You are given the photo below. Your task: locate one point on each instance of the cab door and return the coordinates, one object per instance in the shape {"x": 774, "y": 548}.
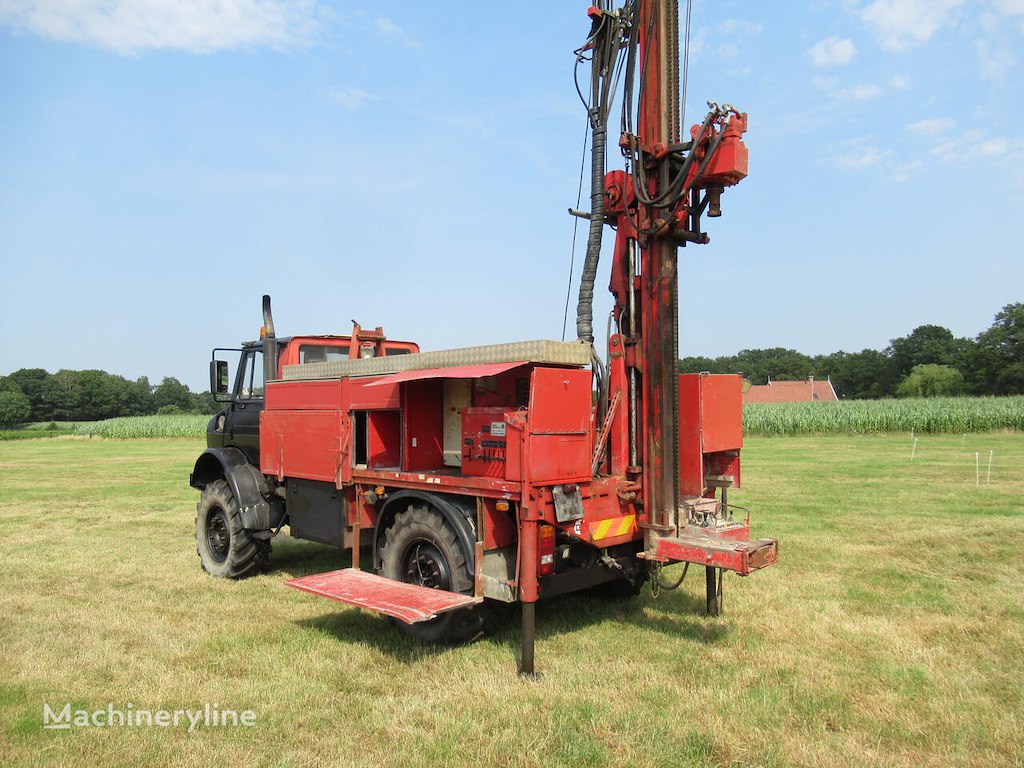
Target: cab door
{"x": 243, "y": 423}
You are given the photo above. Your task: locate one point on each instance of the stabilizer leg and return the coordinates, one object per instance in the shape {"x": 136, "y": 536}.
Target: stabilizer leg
{"x": 713, "y": 583}
{"x": 529, "y": 635}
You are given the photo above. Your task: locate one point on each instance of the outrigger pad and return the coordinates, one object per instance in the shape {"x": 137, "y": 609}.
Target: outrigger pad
{"x": 410, "y": 603}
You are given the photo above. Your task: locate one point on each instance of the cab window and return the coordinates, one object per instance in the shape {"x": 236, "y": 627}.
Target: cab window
{"x": 251, "y": 376}
{"x": 322, "y": 353}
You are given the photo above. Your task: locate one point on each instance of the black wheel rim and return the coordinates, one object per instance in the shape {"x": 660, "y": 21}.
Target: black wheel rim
{"x": 425, "y": 565}
{"x": 218, "y": 536}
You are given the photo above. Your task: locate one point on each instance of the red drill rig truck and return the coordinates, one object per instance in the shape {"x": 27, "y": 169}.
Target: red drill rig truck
{"x": 509, "y": 473}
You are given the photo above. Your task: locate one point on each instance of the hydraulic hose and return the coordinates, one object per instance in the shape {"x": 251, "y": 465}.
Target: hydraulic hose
{"x": 678, "y": 583}
{"x": 585, "y": 305}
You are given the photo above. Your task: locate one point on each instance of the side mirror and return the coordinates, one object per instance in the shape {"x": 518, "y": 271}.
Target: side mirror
{"x": 219, "y": 377}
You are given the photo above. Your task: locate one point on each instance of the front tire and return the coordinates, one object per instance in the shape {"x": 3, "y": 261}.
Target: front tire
{"x": 420, "y": 548}
{"x": 225, "y": 548}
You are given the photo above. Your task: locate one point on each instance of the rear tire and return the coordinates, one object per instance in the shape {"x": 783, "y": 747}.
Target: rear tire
{"x": 420, "y": 548}
{"x": 225, "y": 548}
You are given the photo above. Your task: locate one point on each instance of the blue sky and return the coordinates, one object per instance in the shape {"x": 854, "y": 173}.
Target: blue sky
{"x": 162, "y": 165}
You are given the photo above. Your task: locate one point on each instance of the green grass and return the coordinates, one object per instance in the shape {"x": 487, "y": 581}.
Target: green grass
{"x": 32, "y": 433}
{"x": 949, "y": 415}
{"x": 890, "y": 634}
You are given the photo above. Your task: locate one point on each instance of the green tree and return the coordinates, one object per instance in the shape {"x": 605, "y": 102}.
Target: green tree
{"x": 931, "y": 381}
{"x": 698, "y": 365}
{"x": 926, "y": 345}
{"x": 999, "y": 364}
{"x": 204, "y": 402}
{"x": 14, "y": 407}
{"x": 760, "y": 365}
{"x": 170, "y": 391}
{"x": 102, "y": 394}
{"x": 1010, "y": 380}
{"x": 138, "y": 398}
{"x": 65, "y": 396}
{"x": 865, "y": 375}
{"x": 40, "y": 389}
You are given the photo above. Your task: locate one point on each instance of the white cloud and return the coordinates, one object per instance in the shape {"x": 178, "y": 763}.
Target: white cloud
{"x": 726, "y": 41}
{"x": 389, "y": 29}
{"x": 198, "y": 26}
{"x": 993, "y": 147}
{"x": 931, "y": 126}
{"x": 903, "y": 172}
{"x": 350, "y": 98}
{"x": 856, "y": 93}
{"x": 740, "y": 28}
{"x": 976, "y": 145}
{"x": 832, "y": 52}
{"x": 902, "y": 24}
{"x": 946, "y": 150}
{"x": 995, "y": 60}
{"x": 1010, "y": 7}
{"x": 862, "y": 157}
{"x": 862, "y": 92}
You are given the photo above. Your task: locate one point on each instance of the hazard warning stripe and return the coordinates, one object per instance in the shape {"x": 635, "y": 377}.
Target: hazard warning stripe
{"x": 615, "y": 526}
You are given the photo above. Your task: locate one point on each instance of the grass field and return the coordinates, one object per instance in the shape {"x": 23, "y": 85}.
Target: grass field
{"x": 890, "y": 634}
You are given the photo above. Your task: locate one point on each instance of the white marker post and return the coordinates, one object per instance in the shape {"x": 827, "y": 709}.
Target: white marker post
{"x": 913, "y": 450}
{"x": 988, "y": 480}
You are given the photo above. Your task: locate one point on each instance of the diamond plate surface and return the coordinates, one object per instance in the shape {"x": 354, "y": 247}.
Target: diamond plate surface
{"x": 540, "y": 351}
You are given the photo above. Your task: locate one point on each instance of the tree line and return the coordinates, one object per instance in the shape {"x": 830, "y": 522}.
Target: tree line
{"x": 33, "y": 394}
{"x": 929, "y": 362}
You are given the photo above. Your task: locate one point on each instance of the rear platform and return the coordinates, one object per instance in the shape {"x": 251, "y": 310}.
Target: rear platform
{"x": 410, "y": 603}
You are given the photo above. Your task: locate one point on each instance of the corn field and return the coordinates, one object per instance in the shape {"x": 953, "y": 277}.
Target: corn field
{"x": 953, "y": 415}
{"x": 128, "y": 427}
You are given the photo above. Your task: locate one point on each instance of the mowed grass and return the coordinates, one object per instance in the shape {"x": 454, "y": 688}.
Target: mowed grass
{"x": 890, "y": 634}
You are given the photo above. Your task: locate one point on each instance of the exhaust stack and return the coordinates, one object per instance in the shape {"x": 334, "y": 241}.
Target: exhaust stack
{"x": 269, "y": 342}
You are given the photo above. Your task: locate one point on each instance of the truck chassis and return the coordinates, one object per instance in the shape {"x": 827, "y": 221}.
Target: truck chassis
{"x": 459, "y": 479}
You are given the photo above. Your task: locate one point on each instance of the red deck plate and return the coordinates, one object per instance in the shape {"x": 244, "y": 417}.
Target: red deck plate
{"x": 743, "y": 557}
{"x": 410, "y": 603}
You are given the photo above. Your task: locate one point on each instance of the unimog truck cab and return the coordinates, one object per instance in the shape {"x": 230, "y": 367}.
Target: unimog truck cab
{"x": 239, "y": 511}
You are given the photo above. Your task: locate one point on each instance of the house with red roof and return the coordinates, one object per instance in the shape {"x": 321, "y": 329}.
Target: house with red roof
{"x": 791, "y": 392}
